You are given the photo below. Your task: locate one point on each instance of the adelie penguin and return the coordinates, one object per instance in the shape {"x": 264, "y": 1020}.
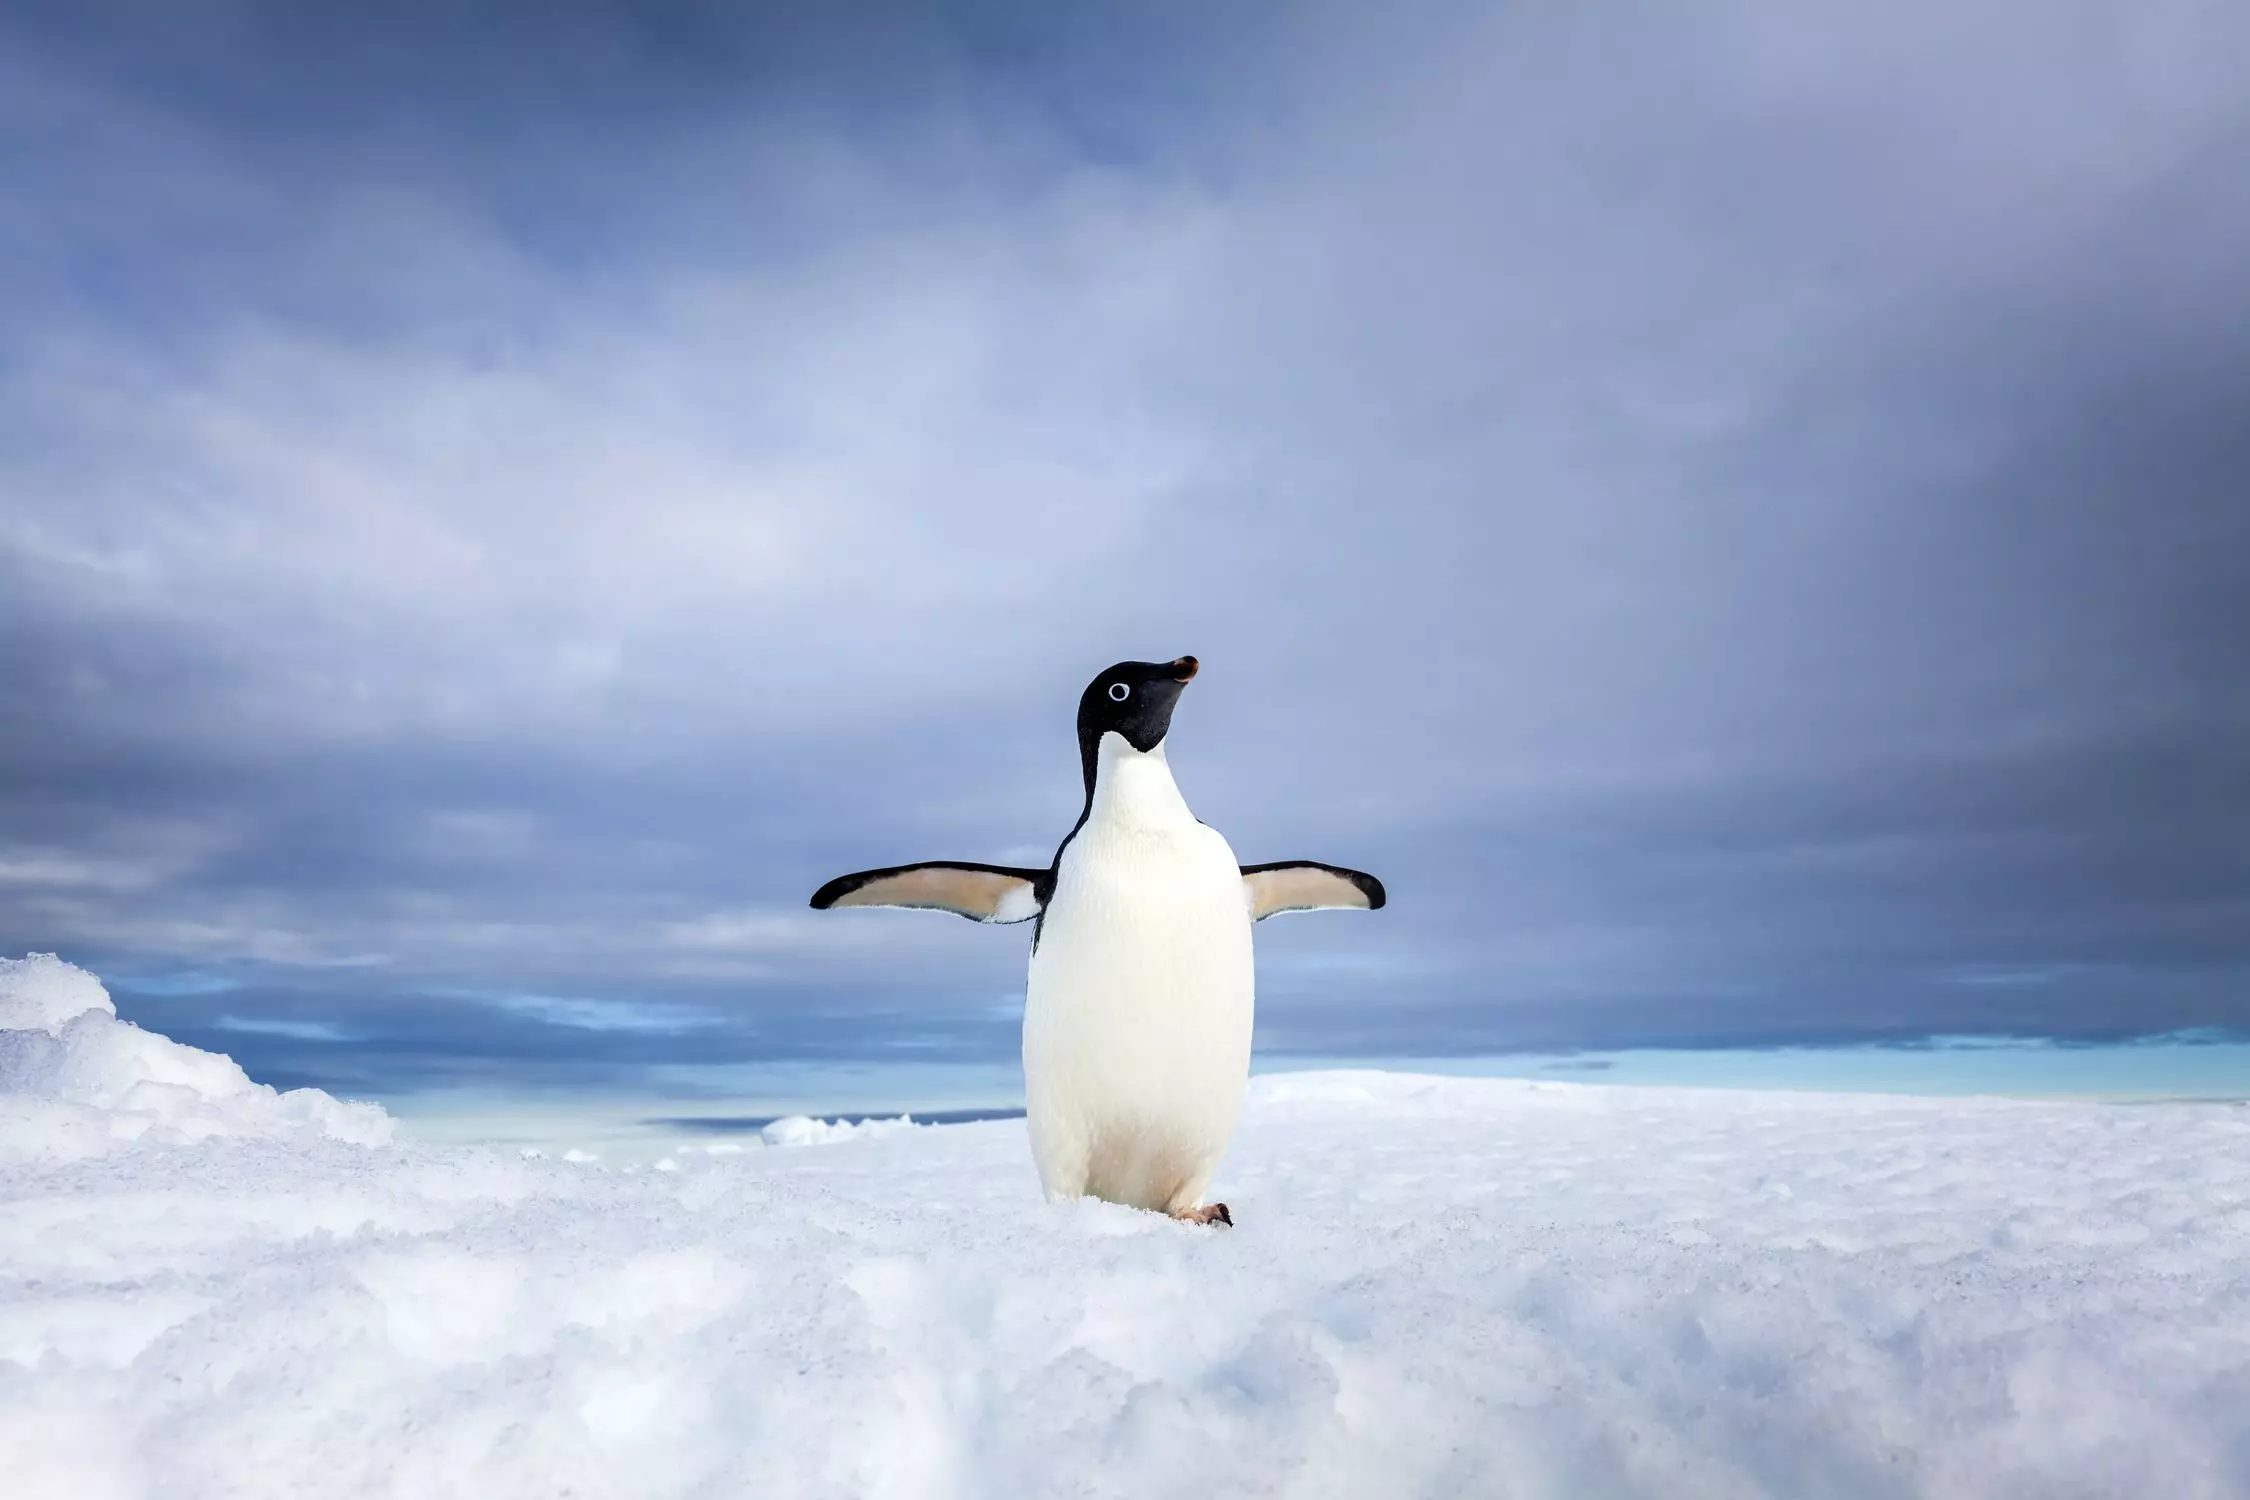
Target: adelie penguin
{"x": 1136, "y": 1027}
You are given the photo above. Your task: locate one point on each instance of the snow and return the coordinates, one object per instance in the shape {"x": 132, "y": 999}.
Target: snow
{"x": 39, "y": 992}
{"x": 800, "y": 1130}
{"x": 1437, "y": 1287}
{"x": 76, "y": 1080}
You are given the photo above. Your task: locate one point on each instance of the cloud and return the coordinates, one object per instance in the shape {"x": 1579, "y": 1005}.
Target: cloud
{"x": 52, "y": 869}
{"x": 600, "y": 1015}
{"x": 301, "y": 1031}
{"x": 1734, "y": 517}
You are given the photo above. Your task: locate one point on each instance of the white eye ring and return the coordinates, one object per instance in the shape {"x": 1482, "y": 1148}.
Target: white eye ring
{"x": 1119, "y": 692}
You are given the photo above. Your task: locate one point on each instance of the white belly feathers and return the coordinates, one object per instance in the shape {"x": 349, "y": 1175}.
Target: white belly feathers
{"x": 1136, "y": 1038}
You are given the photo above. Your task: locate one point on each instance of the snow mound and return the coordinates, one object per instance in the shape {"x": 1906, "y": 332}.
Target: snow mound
{"x": 39, "y": 992}
{"x": 803, "y": 1130}
{"x": 76, "y": 1081}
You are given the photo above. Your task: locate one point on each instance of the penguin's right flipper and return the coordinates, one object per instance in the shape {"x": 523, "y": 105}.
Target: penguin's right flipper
{"x": 982, "y": 893}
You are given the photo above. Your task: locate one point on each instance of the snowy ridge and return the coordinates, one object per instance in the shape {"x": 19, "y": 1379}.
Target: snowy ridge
{"x": 1437, "y": 1287}
{"x": 77, "y": 1081}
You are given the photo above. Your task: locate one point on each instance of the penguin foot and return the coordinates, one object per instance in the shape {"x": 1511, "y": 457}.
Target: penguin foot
{"x": 1210, "y": 1213}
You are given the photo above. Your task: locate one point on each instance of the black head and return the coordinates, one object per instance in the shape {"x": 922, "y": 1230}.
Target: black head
{"x": 1134, "y": 698}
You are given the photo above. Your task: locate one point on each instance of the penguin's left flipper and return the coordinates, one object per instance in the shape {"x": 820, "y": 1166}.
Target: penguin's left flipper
{"x": 982, "y": 893}
{"x": 1308, "y": 885}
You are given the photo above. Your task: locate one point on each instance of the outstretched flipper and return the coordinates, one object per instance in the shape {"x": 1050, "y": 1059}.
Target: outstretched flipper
{"x": 982, "y": 893}
{"x": 1308, "y": 885}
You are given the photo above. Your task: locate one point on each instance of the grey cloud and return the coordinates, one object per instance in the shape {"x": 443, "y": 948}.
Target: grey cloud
{"x": 1741, "y": 517}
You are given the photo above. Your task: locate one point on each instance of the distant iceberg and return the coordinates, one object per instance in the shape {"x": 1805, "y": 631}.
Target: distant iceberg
{"x": 802, "y": 1130}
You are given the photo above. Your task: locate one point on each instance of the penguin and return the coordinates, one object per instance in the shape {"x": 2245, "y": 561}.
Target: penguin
{"x": 1138, "y": 1008}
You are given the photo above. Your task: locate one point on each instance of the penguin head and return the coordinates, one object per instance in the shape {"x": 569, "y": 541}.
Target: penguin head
{"x": 1135, "y": 699}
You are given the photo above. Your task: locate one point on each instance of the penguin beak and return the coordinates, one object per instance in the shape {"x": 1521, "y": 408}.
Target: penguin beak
{"x": 1152, "y": 719}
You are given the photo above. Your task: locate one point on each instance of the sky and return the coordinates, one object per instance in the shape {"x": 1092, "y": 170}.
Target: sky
{"x": 1739, "y": 514}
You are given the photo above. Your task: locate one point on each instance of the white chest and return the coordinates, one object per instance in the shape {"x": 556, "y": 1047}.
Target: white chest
{"x": 1137, "y": 1024}
{"x": 1142, "y": 872}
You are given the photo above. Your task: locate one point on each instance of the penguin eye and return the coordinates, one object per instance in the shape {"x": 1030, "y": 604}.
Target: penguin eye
{"x": 1119, "y": 692}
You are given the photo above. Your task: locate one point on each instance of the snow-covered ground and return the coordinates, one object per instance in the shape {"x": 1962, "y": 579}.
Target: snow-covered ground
{"x": 1437, "y": 1286}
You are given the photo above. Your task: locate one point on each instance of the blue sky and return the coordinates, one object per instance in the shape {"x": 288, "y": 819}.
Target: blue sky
{"x": 1741, "y": 517}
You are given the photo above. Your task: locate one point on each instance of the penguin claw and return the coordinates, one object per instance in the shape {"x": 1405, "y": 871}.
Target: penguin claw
{"x": 1210, "y": 1213}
